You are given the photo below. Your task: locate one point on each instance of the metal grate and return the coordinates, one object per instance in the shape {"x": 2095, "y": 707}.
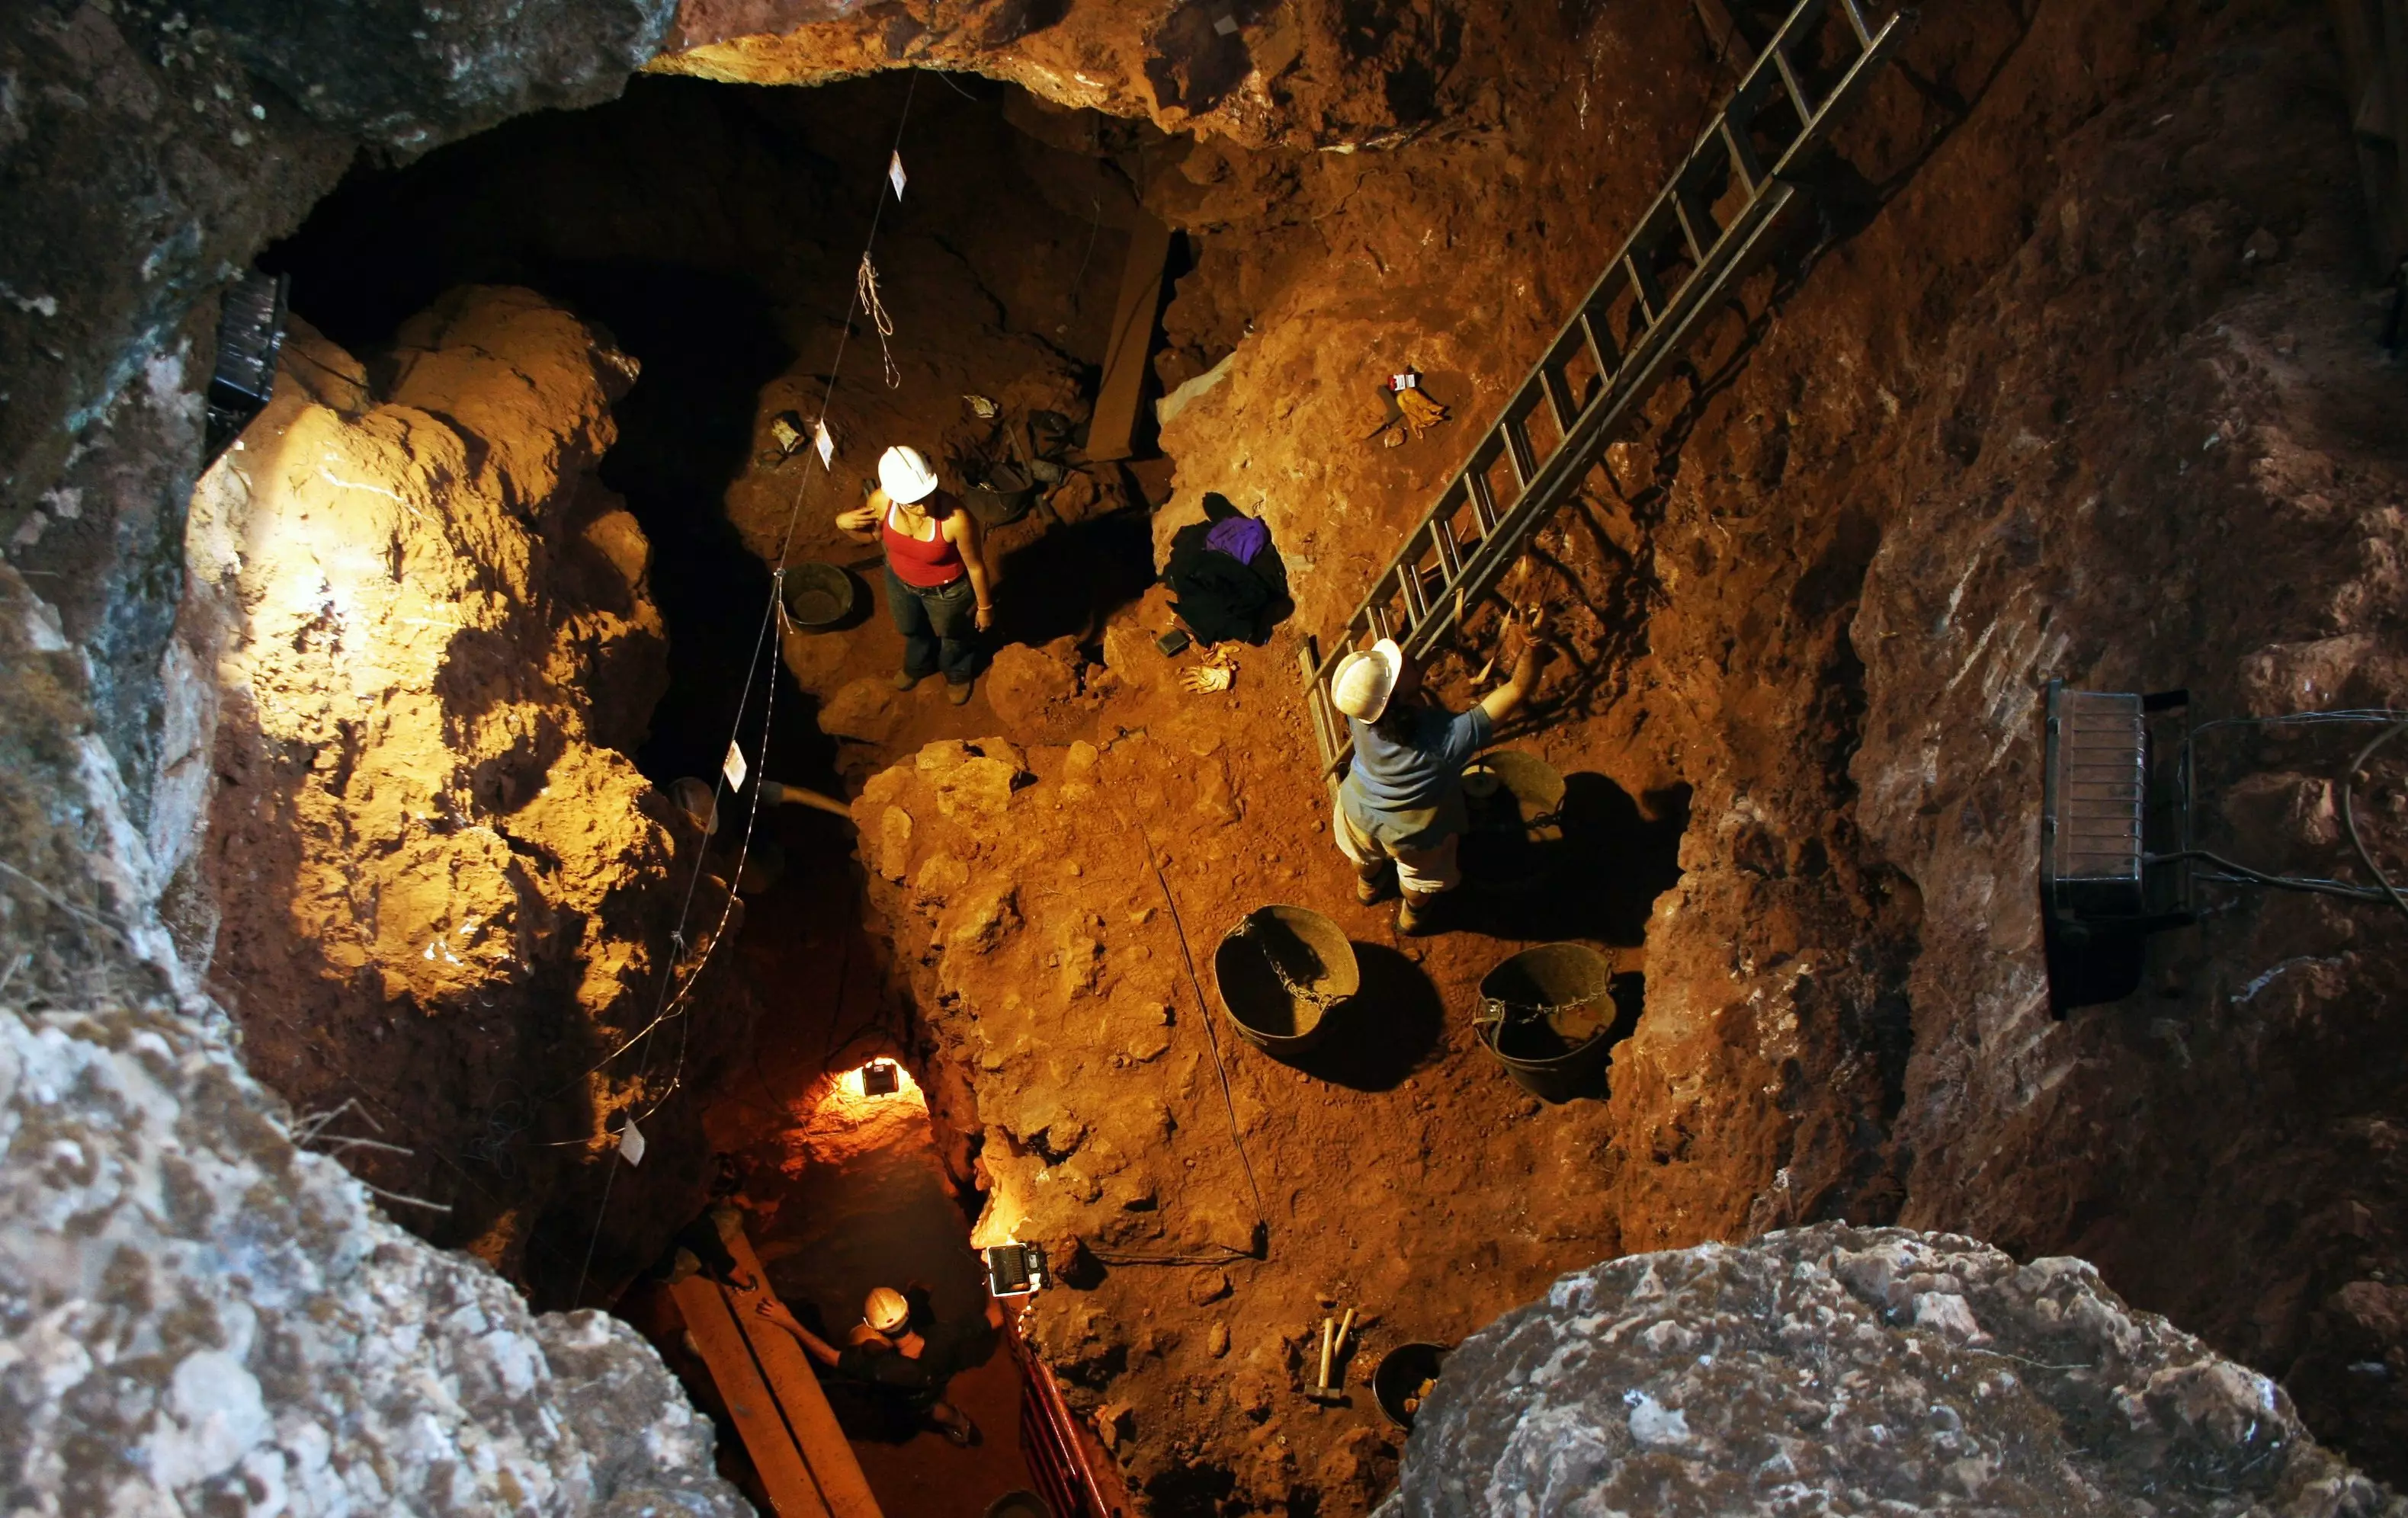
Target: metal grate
{"x": 1709, "y": 226}
{"x": 2097, "y": 755}
{"x": 250, "y": 333}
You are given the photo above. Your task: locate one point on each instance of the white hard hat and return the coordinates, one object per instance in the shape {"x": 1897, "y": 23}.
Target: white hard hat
{"x": 903, "y": 474}
{"x": 1365, "y": 681}
{"x": 886, "y": 1309}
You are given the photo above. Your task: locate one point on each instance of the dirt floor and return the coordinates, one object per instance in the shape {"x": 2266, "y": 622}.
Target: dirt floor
{"x": 1944, "y": 448}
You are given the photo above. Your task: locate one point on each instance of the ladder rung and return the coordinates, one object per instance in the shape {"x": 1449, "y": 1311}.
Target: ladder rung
{"x": 1450, "y": 554}
{"x": 1856, "y": 24}
{"x": 1644, "y": 283}
{"x": 1745, "y": 163}
{"x": 1409, "y": 580}
{"x": 1687, "y": 210}
{"x": 1517, "y": 450}
{"x": 1797, "y": 94}
{"x": 1597, "y": 348}
{"x": 1484, "y": 504}
{"x": 1559, "y": 401}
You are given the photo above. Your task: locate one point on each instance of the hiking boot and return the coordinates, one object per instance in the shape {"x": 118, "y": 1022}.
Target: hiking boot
{"x": 1371, "y": 888}
{"x": 903, "y": 679}
{"x": 1413, "y": 915}
{"x": 960, "y": 694}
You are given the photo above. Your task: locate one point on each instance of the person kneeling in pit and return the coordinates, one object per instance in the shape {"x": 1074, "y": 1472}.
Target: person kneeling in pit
{"x": 894, "y": 1356}
{"x": 937, "y": 584}
{"x": 1401, "y": 804}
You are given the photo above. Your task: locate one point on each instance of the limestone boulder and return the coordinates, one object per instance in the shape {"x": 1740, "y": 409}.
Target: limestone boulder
{"x": 1840, "y": 1370}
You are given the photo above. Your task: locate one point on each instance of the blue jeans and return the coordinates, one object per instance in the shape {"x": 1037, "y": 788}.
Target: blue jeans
{"x": 937, "y": 626}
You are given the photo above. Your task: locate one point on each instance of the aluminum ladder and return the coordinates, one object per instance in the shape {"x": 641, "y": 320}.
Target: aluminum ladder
{"x": 1708, "y": 227}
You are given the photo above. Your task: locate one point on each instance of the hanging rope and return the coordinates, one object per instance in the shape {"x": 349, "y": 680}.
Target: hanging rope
{"x": 866, "y": 294}
{"x": 674, "y": 996}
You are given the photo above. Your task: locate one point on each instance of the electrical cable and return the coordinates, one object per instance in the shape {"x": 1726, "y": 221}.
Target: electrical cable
{"x": 2258, "y": 877}
{"x": 2349, "y": 813}
{"x": 2383, "y": 891}
{"x": 1228, "y": 1098}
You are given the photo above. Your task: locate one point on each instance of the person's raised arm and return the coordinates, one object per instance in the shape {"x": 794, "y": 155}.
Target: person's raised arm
{"x": 861, "y": 523}
{"x": 962, "y": 529}
{"x": 819, "y": 1349}
{"x": 1509, "y": 697}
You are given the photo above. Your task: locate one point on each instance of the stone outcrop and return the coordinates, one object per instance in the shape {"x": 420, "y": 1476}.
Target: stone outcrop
{"x": 198, "y": 1313}
{"x": 442, "y": 888}
{"x": 195, "y": 1311}
{"x": 1852, "y": 1371}
{"x": 1303, "y": 74}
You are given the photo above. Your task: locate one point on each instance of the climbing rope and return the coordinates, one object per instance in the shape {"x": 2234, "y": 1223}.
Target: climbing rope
{"x": 866, "y": 292}
{"x": 673, "y": 1001}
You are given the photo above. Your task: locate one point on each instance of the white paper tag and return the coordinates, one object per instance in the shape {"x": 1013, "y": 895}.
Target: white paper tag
{"x": 1226, "y": 24}
{"x": 1407, "y": 380}
{"x": 825, "y": 444}
{"x": 895, "y": 175}
{"x": 734, "y": 766}
{"x": 631, "y": 1144}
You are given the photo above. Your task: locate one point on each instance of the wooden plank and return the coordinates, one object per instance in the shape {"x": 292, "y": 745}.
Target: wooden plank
{"x": 1113, "y": 432}
{"x": 787, "y": 1366}
{"x": 784, "y": 1476}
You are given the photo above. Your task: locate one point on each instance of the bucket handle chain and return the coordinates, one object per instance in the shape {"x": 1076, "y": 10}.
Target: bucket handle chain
{"x": 1310, "y": 996}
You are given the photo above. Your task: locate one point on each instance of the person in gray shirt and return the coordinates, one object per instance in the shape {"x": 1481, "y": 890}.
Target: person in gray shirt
{"x": 1402, "y": 806}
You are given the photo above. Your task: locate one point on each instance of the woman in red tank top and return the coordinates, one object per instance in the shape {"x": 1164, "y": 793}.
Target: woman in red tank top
{"x": 938, "y": 589}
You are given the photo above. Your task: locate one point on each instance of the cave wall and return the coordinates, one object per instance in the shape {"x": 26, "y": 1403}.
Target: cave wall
{"x": 197, "y": 1311}
{"x": 2188, "y": 471}
{"x": 434, "y": 882}
{"x": 2070, "y": 244}
{"x": 1771, "y": 1081}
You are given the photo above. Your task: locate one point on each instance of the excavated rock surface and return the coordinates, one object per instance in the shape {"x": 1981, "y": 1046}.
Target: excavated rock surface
{"x": 198, "y": 1313}
{"x": 2191, "y": 472}
{"x": 1837, "y": 1369}
{"x": 1310, "y": 74}
{"x": 1795, "y": 1061}
{"x": 195, "y": 1312}
{"x": 443, "y": 886}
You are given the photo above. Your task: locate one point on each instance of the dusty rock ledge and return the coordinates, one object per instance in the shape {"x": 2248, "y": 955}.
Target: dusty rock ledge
{"x": 1857, "y": 1370}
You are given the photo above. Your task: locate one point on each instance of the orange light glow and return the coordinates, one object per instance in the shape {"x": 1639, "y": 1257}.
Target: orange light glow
{"x": 849, "y": 1101}
{"x": 999, "y": 1221}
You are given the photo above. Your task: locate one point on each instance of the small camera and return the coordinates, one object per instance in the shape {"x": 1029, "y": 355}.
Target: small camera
{"x": 1015, "y": 1270}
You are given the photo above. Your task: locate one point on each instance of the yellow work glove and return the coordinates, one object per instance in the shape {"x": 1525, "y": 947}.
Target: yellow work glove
{"x": 1420, "y": 412}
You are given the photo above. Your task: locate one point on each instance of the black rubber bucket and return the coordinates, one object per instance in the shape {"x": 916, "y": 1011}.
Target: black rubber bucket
{"x": 1515, "y": 801}
{"x": 1399, "y": 1377}
{"x": 1281, "y": 973}
{"x": 1551, "y": 1017}
{"x": 819, "y": 594}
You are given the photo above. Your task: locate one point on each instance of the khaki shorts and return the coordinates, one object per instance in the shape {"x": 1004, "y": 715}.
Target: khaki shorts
{"x": 1421, "y": 872}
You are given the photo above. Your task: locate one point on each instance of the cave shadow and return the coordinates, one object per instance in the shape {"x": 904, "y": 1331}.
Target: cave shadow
{"x": 708, "y": 343}
{"x": 1392, "y": 1026}
{"x": 1596, "y": 879}
{"x": 1067, "y": 582}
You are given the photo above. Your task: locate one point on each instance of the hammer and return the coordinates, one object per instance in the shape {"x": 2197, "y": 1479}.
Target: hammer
{"x": 1333, "y": 1336}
